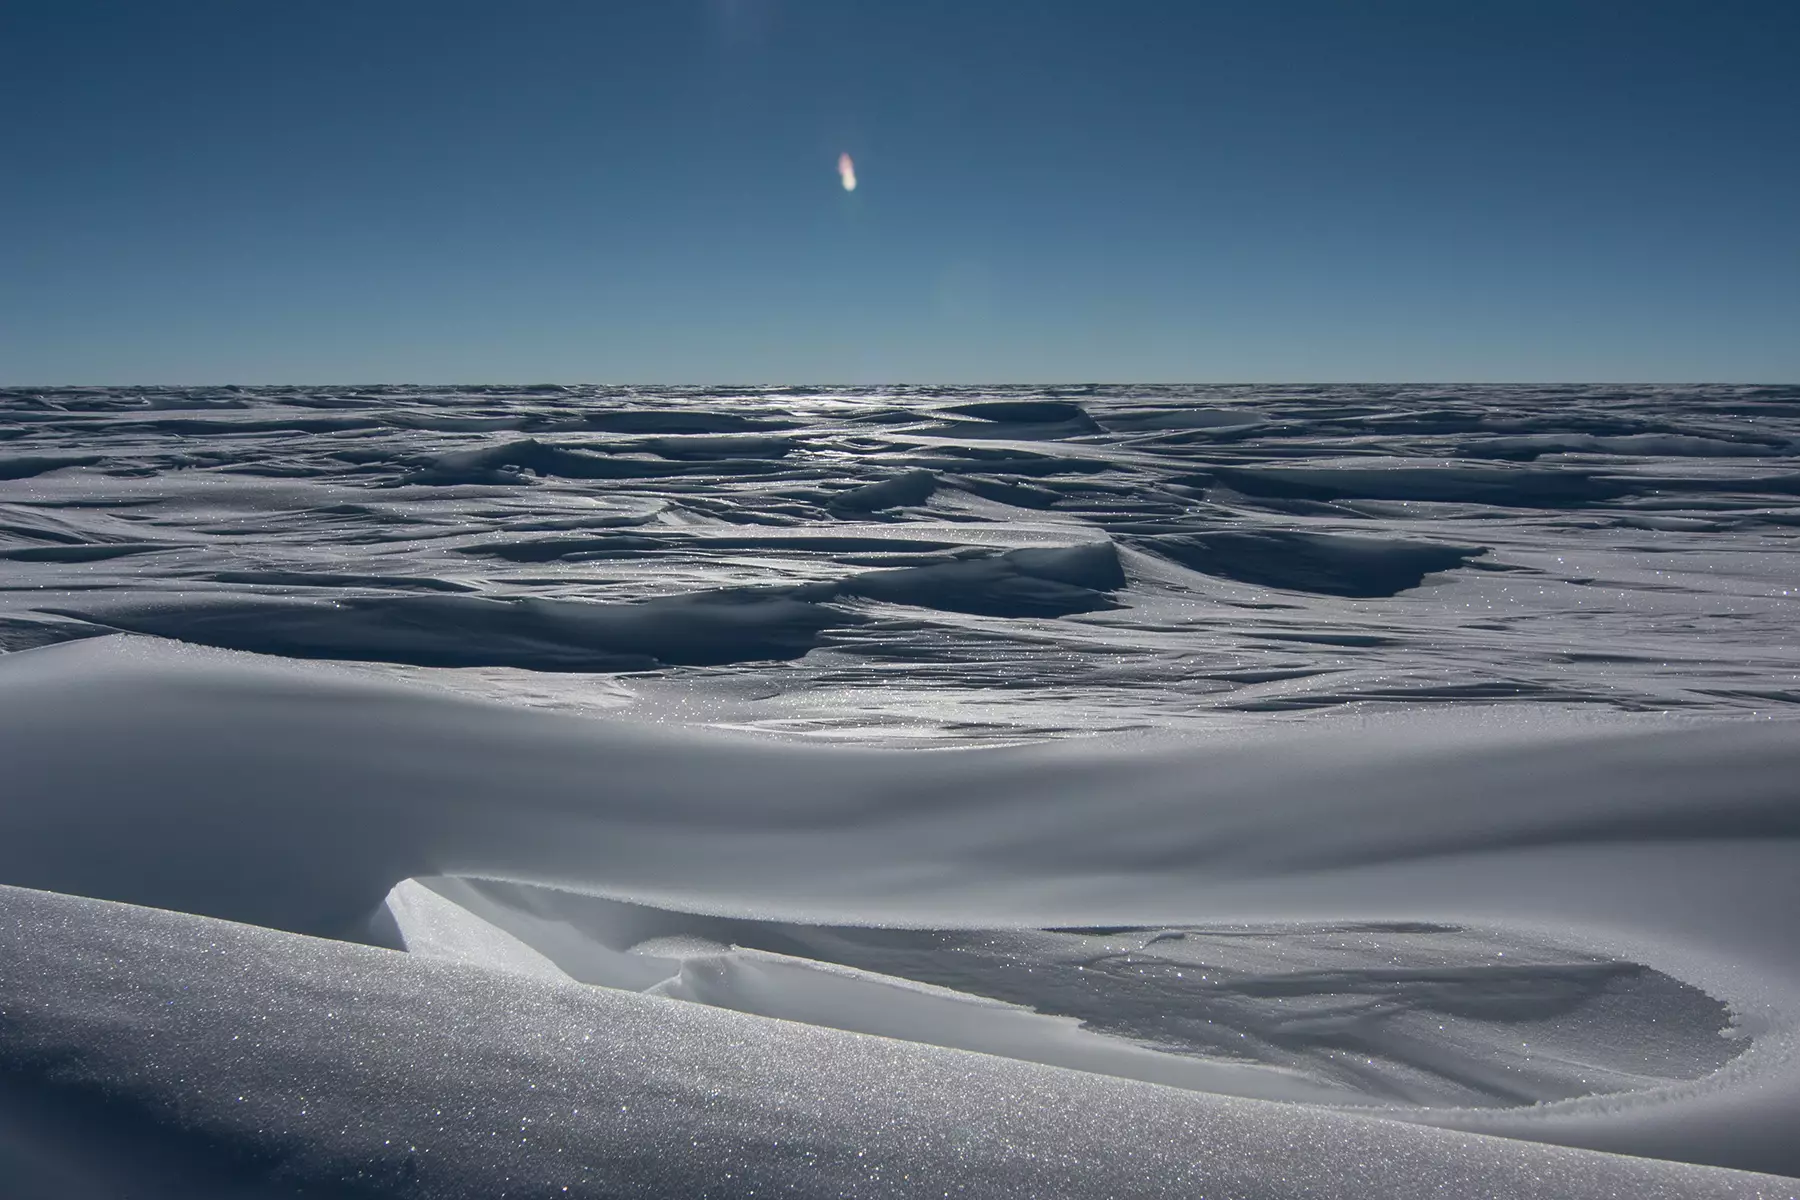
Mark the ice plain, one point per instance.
(1082, 791)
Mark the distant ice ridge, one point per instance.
(1270, 549)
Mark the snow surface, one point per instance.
(198, 1054)
(684, 739)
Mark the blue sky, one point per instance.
(390, 190)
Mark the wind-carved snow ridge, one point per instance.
(724, 762)
(1277, 549)
(696, 629)
(1373, 1013)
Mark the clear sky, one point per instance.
(1116, 190)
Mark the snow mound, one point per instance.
(903, 490)
(24, 466)
(1026, 419)
(1329, 564)
(1032, 582)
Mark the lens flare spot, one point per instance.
(847, 172)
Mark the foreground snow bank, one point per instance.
(196, 1058)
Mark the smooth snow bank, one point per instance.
(110, 737)
(192, 1058)
(296, 797)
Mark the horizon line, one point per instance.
(899, 383)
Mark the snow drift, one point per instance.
(243, 788)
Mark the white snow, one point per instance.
(262, 1058)
(1363, 792)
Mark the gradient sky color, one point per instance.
(1191, 190)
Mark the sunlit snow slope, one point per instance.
(1194, 791)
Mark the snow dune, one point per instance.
(244, 788)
